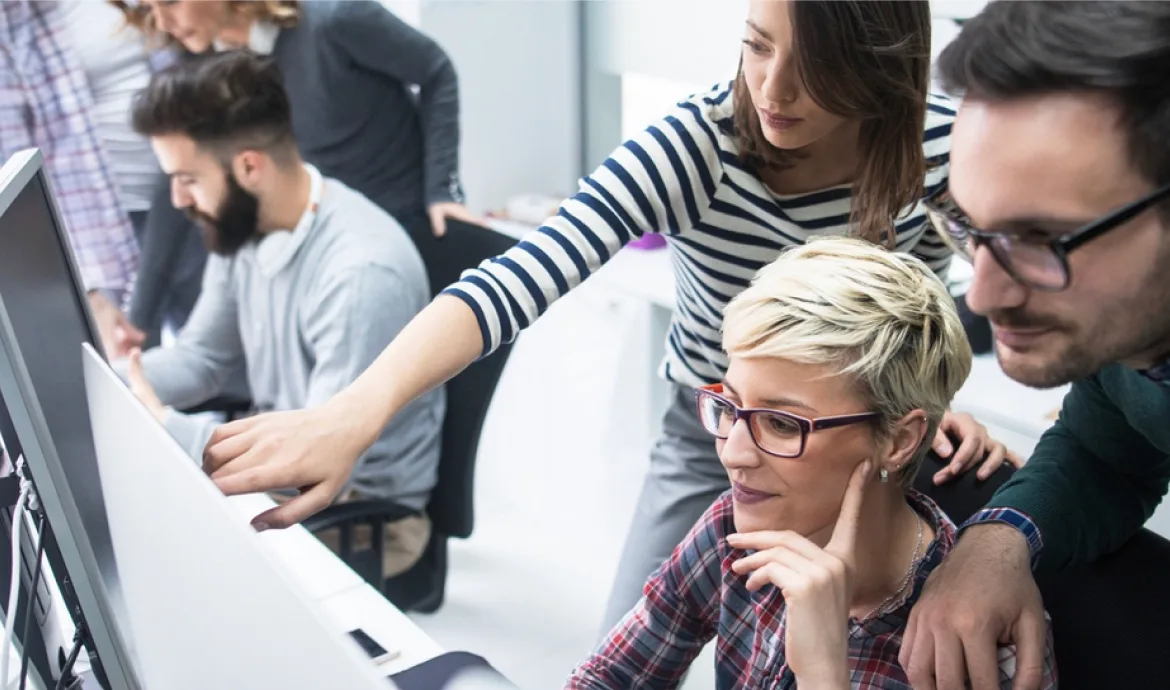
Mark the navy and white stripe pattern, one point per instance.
(683, 177)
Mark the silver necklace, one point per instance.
(906, 579)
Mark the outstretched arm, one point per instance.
(660, 181)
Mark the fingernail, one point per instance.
(946, 449)
(260, 526)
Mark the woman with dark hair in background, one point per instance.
(827, 130)
(351, 70)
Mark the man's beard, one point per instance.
(1126, 334)
(234, 223)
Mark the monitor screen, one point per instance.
(48, 319)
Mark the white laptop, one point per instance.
(207, 607)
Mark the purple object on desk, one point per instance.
(650, 240)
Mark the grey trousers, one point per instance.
(685, 478)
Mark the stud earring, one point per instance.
(885, 475)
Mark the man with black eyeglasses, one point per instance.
(1060, 196)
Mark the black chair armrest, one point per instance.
(342, 514)
(347, 518)
(226, 405)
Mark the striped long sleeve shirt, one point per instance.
(683, 177)
(45, 103)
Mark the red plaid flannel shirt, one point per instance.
(695, 597)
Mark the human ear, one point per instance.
(247, 167)
(904, 439)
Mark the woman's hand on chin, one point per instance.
(817, 587)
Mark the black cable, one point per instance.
(67, 667)
(30, 602)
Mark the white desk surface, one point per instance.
(364, 607)
(344, 597)
(317, 570)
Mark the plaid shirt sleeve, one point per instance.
(45, 102)
(1015, 518)
(656, 642)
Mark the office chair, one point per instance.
(451, 507)
(964, 495)
(1108, 617)
(230, 407)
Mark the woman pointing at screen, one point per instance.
(828, 129)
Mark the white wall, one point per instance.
(956, 9)
(635, 48)
(408, 10)
(682, 40)
(647, 99)
(519, 88)
(698, 40)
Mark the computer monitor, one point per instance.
(208, 606)
(44, 319)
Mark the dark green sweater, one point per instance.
(1098, 474)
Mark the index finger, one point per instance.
(295, 511)
(845, 531)
(970, 449)
(256, 479)
(135, 367)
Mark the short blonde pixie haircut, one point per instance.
(881, 317)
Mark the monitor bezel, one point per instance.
(41, 459)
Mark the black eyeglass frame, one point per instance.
(946, 216)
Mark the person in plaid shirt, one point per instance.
(45, 103)
(843, 357)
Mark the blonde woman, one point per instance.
(842, 360)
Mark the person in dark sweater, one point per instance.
(375, 102)
(1060, 195)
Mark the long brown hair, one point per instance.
(867, 60)
(283, 13)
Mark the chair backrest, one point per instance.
(469, 394)
(964, 495)
(1108, 617)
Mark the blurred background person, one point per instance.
(116, 65)
(375, 101)
(45, 102)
